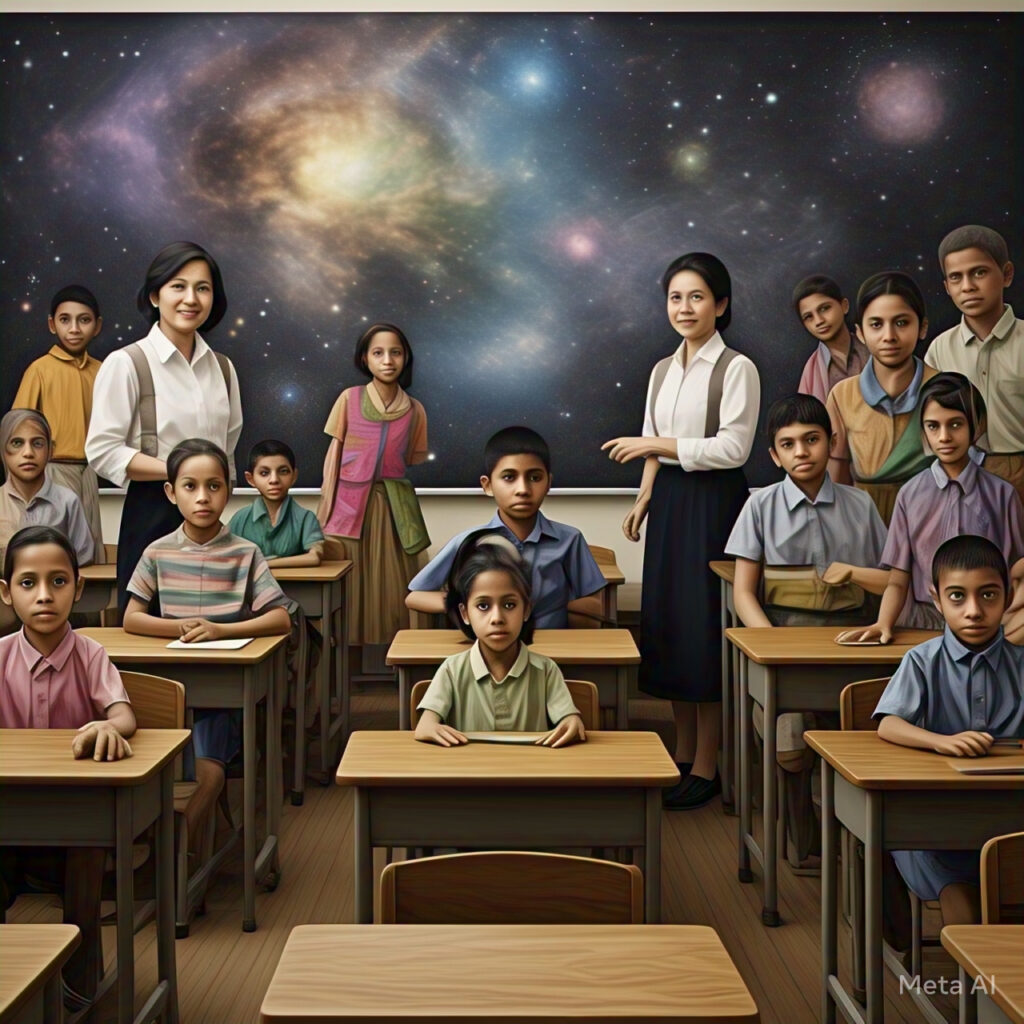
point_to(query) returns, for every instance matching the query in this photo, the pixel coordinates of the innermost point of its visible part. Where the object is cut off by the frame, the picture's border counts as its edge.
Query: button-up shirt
(945, 687)
(63, 690)
(995, 366)
(191, 401)
(52, 505)
(931, 507)
(294, 533)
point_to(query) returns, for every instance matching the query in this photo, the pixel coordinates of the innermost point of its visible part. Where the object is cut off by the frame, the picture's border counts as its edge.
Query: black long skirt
(690, 518)
(146, 516)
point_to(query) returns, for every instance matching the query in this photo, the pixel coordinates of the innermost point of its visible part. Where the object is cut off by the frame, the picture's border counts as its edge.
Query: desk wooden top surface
(994, 953)
(29, 954)
(43, 756)
(129, 648)
(870, 763)
(566, 646)
(612, 574)
(579, 973)
(106, 573)
(325, 572)
(816, 645)
(724, 569)
(377, 758)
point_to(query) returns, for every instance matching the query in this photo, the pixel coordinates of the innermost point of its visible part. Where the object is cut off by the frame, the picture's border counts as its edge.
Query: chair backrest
(857, 703)
(110, 553)
(603, 556)
(1002, 880)
(584, 696)
(334, 549)
(158, 703)
(511, 888)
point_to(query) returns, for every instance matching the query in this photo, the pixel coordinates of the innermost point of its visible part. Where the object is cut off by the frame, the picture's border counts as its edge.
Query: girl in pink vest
(366, 503)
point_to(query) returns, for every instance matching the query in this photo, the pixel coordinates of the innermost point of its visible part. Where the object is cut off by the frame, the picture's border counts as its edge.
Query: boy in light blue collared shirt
(518, 476)
(955, 695)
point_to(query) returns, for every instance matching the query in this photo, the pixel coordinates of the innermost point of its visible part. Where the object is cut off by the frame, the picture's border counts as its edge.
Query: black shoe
(693, 791)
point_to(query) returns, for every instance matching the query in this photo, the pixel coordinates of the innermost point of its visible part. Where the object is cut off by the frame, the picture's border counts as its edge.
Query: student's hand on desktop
(965, 744)
(625, 449)
(837, 573)
(633, 521)
(438, 732)
(194, 630)
(872, 634)
(569, 730)
(101, 740)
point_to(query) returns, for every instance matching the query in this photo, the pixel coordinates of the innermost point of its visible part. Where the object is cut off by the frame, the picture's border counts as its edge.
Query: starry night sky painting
(507, 188)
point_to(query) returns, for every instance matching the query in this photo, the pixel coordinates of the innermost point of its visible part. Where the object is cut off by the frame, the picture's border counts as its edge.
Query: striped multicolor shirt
(224, 580)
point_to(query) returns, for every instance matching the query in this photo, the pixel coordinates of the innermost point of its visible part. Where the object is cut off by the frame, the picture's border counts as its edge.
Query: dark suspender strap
(657, 379)
(225, 368)
(716, 385)
(147, 399)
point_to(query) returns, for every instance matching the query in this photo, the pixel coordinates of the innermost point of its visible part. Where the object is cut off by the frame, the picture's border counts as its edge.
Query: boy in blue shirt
(517, 474)
(954, 695)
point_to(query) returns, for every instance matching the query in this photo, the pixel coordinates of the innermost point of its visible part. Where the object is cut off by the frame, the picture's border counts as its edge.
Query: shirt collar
(967, 479)
(874, 394)
(259, 510)
(45, 493)
(793, 494)
(186, 541)
(709, 351)
(66, 357)
(959, 653)
(56, 660)
(826, 352)
(1003, 327)
(165, 348)
(541, 528)
(481, 672)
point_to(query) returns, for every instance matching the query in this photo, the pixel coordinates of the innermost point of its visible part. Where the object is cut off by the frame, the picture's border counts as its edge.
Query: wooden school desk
(602, 793)
(895, 798)
(31, 958)
(434, 973)
(991, 959)
(606, 657)
(319, 590)
(225, 679)
(793, 668)
(47, 798)
(100, 590)
(725, 570)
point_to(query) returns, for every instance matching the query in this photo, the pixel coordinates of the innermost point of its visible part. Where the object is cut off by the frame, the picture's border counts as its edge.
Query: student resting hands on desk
(499, 683)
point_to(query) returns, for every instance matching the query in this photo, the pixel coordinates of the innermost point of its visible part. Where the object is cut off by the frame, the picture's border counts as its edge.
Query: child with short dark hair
(987, 346)
(82, 690)
(821, 306)
(928, 702)
(59, 385)
(203, 583)
(499, 683)
(517, 474)
(286, 533)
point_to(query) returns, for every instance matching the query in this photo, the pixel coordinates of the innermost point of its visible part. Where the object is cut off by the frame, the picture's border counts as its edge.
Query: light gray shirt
(60, 508)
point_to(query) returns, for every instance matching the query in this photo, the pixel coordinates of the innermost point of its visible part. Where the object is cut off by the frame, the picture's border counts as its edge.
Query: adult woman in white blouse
(161, 390)
(699, 425)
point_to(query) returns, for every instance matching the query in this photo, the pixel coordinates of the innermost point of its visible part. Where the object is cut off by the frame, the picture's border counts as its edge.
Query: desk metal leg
(302, 658)
(622, 677)
(344, 671)
(652, 857)
(404, 689)
(125, 907)
(769, 831)
(166, 967)
(249, 810)
(829, 903)
(728, 780)
(277, 668)
(363, 866)
(744, 710)
(324, 690)
(874, 1007)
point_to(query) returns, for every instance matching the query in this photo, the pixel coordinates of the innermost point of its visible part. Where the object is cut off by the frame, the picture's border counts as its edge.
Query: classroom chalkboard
(506, 188)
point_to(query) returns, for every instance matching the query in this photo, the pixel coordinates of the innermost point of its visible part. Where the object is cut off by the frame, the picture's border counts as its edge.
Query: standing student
(376, 430)
(821, 306)
(155, 393)
(987, 346)
(699, 424)
(59, 385)
(874, 414)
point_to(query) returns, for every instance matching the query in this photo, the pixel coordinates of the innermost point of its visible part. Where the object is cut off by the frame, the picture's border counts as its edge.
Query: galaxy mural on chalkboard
(507, 188)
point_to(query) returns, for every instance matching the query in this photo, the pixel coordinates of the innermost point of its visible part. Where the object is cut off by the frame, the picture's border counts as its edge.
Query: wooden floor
(224, 972)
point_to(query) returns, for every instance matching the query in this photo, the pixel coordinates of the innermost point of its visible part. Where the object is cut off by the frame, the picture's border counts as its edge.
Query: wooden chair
(159, 703)
(1002, 880)
(584, 696)
(511, 888)
(857, 703)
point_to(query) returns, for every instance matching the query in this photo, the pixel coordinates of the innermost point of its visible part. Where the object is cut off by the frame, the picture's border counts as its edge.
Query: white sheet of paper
(211, 645)
(504, 737)
(1008, 764)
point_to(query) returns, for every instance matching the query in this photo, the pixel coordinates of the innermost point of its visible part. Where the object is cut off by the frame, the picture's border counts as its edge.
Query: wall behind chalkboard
(507, 188)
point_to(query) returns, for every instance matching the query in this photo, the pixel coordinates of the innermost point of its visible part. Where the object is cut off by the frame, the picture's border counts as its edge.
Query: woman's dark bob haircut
(712, 270)
(166, 264)
(363, 346)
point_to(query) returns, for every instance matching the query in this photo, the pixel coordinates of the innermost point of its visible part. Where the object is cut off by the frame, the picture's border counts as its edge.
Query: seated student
(80, 690)
(877, 447)
(59, 385)
(499, 683)
(822, 309)
(928, 703)
(786, 535)
(987, 346)
(207, 585)
(286, 533)
(517, 465)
